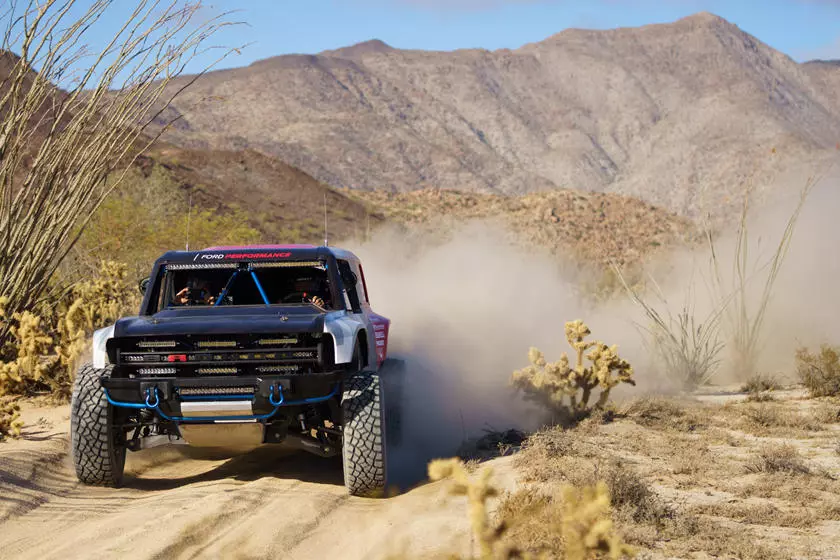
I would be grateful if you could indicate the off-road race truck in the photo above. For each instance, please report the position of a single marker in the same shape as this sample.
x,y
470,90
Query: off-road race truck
x,y
240,346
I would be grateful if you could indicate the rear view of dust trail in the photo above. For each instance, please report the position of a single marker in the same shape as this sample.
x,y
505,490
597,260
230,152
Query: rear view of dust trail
x,y
184,504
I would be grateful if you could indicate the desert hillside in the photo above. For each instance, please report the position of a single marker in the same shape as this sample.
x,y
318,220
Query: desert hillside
x,y
678,114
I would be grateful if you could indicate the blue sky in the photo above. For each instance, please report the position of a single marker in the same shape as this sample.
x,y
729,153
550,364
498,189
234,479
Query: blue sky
x,y
803,29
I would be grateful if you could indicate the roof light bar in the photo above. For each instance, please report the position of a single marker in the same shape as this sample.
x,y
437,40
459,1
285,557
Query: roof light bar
x,y
288,264
200,266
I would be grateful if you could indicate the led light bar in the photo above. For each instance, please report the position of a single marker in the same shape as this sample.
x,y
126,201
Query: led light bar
x,y
275,341
217,370
279,369
216,344
157,344
200,266
194,391
156,371
289,264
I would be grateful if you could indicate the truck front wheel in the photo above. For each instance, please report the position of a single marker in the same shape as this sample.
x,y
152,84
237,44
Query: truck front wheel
x,y
363,434
98,452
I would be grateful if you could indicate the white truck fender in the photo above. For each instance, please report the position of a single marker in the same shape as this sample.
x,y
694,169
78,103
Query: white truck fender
x,y
344,328
100,337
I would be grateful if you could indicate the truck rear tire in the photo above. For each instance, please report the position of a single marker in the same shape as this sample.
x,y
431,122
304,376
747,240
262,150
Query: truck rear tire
x,y
98,455
363,449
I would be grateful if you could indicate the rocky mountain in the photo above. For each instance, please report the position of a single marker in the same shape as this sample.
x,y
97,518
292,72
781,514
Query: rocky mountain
x,y
679,114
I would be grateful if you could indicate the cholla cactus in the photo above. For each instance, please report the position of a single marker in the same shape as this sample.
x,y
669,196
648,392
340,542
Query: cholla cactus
x,y
93,304
10,422
32,344
42,351
588,530
552,383
477,493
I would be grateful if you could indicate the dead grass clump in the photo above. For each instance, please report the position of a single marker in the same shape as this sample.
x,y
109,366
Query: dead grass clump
x,y
577,525
826,413
761,514
721,541
769,416
778,459
566,391
690,458
10,422
632,494
819,372
815,492
759,387
664,414
760,382
531,518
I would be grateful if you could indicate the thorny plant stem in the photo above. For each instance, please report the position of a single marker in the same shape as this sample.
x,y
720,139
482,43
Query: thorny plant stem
x,y
58,148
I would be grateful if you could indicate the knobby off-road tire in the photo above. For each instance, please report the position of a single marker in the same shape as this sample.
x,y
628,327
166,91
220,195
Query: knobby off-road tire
x,y
363,449
97,455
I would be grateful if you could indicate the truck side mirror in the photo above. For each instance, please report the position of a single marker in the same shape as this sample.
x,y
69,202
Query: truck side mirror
x,y
143,285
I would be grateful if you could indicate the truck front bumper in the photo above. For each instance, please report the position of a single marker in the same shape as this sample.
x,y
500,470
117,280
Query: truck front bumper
x,y
221,399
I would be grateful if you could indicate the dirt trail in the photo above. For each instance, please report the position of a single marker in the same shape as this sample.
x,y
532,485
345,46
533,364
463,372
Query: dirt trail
x,y
186,503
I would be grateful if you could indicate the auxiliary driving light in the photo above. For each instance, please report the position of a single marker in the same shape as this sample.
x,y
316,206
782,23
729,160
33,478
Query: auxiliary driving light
x,y
276,341
216,344
157,344
217,370
157,371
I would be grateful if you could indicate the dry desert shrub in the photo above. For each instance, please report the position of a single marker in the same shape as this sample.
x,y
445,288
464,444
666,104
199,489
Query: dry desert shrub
x,y
759,387
666,414
820,371
760,382
767,417
10,422
761,514
577,524
778,459
531,518
566,391
827,413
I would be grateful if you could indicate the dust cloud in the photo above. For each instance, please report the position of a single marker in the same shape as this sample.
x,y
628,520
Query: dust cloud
x,y
465,312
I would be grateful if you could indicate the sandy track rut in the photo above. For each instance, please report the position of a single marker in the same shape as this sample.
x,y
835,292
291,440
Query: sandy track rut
x,y
186,503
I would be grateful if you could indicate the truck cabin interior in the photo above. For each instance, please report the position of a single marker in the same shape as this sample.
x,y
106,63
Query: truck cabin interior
x,y
259,285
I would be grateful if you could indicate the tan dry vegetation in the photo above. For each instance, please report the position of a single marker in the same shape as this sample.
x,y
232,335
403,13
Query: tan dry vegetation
x,y
685,478
592,227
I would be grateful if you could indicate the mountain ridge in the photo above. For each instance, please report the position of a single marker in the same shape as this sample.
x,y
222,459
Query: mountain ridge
x,y
679,114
